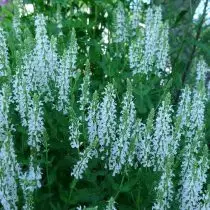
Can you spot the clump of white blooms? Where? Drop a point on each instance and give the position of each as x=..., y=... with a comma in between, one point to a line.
x=165, y=188
x=9, y=167
x=30, y=181
x=155, y=47
x=163, y=143
x=111, y=204
x=120, y=28
x=85, y=86
x=35, y=123
x=107, y=119
x=194, y=165
x=85, y=156
x=65, y=72
x=4, y=61
x=120, y=146
x=144, y=143
x=41, y=61
x=92, y=118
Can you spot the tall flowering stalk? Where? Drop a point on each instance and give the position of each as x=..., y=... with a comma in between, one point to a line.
x=163, y=143
x=21, y=95
x=30, y=181
x=165, y=188
x=4, y=60
x=195, y=161
x=120, y=147
x=85, y=86
x=85, y=156
x=92, y=118
x=35, y=124
x=74, y=130
x=144, y=143
x=193, y=177
x=155, y=46
x=65, y=72
x=135, y=8
x=120, y=27
x=9, y=168
x=41, y=61
x=107, y=120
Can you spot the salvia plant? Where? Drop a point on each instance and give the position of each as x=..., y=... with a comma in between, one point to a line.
x=86, y=128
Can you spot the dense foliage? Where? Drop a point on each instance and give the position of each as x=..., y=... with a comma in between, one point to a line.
x=97, y=111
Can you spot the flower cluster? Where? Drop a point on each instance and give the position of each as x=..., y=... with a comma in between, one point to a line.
x=150, y=53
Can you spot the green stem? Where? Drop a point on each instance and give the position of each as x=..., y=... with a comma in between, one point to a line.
x=119, y=190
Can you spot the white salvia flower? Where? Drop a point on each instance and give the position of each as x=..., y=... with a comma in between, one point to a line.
x=184, y=109
x=201, y=70
x=111, y=204
x=120, y=147
x=156, y=44
x=74, y=132
x=85, y=157
x=16, y=26
x=65, y=72
x=92, y=118
x=193, y=177
x=153, y=24
x=35, y=123
x=41, y=61
x=4, y=111
x=107, y=120
x=135, y=8
x=4, y=62
x=30, y=181
x=21, y=96
x=163, y=143
x=84, y=89
x=9, y=170
x=120, y=27
x=144, y=143
x=165, y=188
x=162, y=61
x=197, y=124
x=135, y=54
